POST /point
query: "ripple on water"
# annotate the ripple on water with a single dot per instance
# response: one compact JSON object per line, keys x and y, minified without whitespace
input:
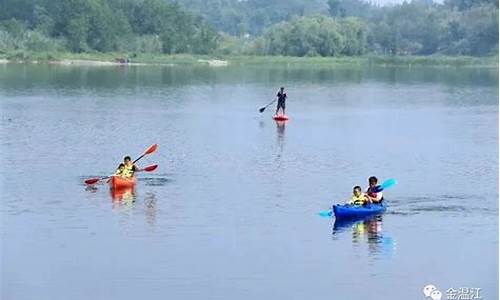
{"x":443,"y":203}
{"x":155,"y":181}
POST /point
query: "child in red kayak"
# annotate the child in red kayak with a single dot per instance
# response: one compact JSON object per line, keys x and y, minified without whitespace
{"x":371,"y":191}
{"x":358,"y":198}
{"x":120,"y":170}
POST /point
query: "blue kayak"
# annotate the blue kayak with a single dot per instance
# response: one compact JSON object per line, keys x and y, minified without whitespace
{"x":355,"y":211}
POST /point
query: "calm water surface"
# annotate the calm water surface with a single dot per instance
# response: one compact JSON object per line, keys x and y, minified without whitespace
{"x":231,"y":212}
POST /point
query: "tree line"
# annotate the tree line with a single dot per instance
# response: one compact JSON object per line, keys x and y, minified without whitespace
{"x":252,"y":27}
{"x":151,"y":26}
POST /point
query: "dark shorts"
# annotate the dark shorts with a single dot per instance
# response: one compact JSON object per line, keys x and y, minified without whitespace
{"x":281,"y":104}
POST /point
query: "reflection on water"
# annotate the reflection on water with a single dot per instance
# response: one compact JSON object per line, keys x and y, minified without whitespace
{"x":150,"y":209}
{"x":123,"y":197}
{"x":91,"y":189}
{"x":280,"y":129}
{"x":368,"y":230}
{"x":127,"y":198}
{"x":119,"y":78}
{"x":123,"y":194}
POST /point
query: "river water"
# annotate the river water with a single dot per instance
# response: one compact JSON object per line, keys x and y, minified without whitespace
{"x":232,"y":210}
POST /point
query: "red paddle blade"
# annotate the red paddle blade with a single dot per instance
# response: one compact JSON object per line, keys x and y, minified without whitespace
{"x":91,"y":181}
{"x":151,"y":149}
{"x":150,"y":168}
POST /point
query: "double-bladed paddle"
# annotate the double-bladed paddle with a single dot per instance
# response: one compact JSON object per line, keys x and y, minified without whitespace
{"x":95,"y":180}
{"x":151,"y":168}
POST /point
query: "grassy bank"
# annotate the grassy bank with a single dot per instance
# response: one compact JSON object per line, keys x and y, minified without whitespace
{"x":434,"y":61}
{"x":186,"y":59}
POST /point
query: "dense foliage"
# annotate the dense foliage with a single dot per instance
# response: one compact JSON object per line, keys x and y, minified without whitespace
{"x":261,"y":27}
{"x":312,"y":36}
{"x":421,"y":27}
{"x":239,"y":17}
{"x":104,"y":25}
{"x":467,"y":27}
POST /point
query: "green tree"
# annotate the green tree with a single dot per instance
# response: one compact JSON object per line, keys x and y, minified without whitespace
{"x":77,"y":34}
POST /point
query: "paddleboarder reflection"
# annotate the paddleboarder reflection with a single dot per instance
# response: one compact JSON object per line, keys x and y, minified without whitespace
{"x":280,"y":129}
{"x":367,"y":230}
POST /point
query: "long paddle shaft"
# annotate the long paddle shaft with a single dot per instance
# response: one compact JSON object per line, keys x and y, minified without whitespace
{"x":95,"y":180}
{"x":149,"y":151}
{"x":262,"y":109}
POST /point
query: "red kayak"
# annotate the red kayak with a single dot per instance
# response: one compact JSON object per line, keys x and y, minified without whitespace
{"x":280,"y":117}
{"x":118,"y":182}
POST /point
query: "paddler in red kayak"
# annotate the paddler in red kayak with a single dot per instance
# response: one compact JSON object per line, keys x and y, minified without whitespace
{"x":371,"y":194}
{"x":127,"y":168}
{"x":281,"y":96}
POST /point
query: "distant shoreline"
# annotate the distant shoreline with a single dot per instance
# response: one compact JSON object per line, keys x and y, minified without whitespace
{"x":123,"y":59}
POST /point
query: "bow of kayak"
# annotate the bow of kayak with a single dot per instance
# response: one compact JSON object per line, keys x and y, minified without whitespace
{"x":118,"y":182}
{"x":355,"y":211}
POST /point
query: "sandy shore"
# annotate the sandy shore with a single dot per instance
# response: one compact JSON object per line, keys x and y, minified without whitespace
{"x":94,"y":63}
{"x":214,"y":62}
{"x":98,"y":63}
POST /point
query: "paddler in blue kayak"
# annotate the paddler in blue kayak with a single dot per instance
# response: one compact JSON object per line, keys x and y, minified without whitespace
{"x":372,"y":192}
{"x":281,"y":96}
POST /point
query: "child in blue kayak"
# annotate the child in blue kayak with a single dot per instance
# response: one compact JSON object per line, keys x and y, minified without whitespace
{"x":358,"y":198}
{"x":372,"y":193}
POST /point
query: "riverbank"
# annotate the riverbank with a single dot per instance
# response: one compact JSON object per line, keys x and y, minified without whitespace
{"x":112,"y":59}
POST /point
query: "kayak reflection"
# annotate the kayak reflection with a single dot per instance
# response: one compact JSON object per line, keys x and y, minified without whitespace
{"x":126,"y":198}
{"x":369,"y":230}
{"x":126,"y":195}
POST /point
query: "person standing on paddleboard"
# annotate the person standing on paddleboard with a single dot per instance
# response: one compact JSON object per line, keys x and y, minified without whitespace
{"x":281,"y":96}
